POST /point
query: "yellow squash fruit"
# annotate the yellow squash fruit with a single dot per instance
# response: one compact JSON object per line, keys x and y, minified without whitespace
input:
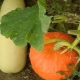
{"x":12,"y":57}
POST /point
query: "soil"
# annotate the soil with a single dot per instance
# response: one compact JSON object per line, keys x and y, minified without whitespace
{"x":26,"y":74}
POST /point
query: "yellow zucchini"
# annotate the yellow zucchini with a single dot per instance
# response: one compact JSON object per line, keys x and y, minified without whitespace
{"x":12,"y":57}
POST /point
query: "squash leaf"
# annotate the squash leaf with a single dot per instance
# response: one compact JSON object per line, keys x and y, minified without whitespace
{"x":24,"y":26}
{"x":42,"y":3}
{"x":45,"y":20}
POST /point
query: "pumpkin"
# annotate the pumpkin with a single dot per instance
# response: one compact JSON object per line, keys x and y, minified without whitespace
{"x":50,"y":64}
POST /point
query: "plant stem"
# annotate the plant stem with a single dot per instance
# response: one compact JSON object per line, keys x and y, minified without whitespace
{"x":77,"y":49}
{"x":64,"y":43}
{"x":53,"y":40}
{"x":76,"y":41}
{"x":61,"y":44}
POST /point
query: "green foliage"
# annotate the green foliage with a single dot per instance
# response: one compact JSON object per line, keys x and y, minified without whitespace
{"x":27,"y":25}
{"x":76,"y":72}
{"x":42,"y":3}
{"x":57,"y":8}
{"x":74,"y":32}
{"x":45,"y":20}
{"x":68,"y":79}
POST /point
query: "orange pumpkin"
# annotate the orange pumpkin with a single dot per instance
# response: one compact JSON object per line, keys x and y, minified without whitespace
{"x":49,"y":63}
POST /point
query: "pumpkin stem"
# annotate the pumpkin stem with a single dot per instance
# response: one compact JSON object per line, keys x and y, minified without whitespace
{"x":53,"y":40}
{"x":76,"y":41}
{"x":61,"y":44}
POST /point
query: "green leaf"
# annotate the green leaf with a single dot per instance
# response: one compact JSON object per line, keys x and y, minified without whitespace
{"x":45,"y":20}
{"x":42,"y":3}
{"x":74,"y":32}
{"x":23,"y":26}
{"x":59,"y":19}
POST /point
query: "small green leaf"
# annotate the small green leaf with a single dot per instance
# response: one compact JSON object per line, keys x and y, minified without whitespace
{"x":59,"y":18}
{"x":45,"y":20}
{"x":74,"y":32}
{"x":23,"y":26}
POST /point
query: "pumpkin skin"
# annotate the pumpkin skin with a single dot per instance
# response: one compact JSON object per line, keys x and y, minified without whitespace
{"x":49,"y":63}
